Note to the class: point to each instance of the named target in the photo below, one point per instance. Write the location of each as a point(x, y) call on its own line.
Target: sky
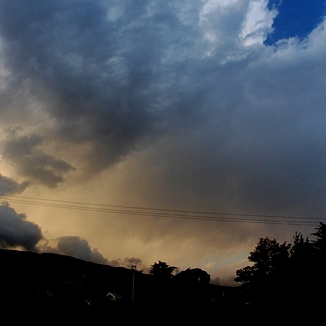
point(123, 122)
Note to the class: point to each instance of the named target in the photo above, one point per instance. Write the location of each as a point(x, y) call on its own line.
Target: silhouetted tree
point(267, 257)
point(193, 276)
point(320, 242)
point(191, 292)
point(301, 256)
point(301, 246)
point(162, 270)
point(287, 278)
point(317, 277)
point(263, 279)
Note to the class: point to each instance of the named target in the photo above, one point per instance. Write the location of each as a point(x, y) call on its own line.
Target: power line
point(164, 213)
point(68, 202)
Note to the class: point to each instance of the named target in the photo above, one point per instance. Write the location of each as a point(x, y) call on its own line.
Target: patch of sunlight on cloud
point(258, 23)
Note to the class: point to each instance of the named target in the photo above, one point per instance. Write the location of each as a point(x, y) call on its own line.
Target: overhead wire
point(164, 213)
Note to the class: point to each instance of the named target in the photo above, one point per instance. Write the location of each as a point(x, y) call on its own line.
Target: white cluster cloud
point(258, 23)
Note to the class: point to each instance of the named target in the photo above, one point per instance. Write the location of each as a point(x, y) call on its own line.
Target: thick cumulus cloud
point(16, 231)
point(79, 248)
point(215, 118)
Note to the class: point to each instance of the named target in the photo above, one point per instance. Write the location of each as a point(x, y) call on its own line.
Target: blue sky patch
point(296, 18)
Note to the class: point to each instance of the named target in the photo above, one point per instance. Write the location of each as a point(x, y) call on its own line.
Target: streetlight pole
point(133, 267)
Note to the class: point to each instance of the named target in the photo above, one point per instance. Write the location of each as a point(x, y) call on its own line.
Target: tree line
point(285, 281)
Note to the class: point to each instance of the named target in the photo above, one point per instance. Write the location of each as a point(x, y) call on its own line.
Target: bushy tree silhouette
point(287, 278)
point(267, 257)
point(162, 270)
point(192, 276)
point(320, 242)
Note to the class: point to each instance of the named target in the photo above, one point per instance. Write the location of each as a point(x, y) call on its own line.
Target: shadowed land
point(285, 282)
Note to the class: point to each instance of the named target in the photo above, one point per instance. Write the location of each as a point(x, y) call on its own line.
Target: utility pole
point(133, 267)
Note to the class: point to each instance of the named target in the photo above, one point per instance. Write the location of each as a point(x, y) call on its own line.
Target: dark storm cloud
point(232, 124)
point(10, 186)
point(111, 74)
point(79, 248)
point(102, 79)
point(16, 231)
point(24, 154)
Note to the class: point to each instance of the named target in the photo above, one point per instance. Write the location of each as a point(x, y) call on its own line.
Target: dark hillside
point(33, 282)
point(67, 288)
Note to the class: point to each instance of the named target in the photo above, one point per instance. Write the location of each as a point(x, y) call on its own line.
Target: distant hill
point(67, 287)
point(47, 274)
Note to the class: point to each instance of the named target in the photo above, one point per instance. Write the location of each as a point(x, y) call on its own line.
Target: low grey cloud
point(10, 186)
point(29, 160)
point(16, 230)
point(79, 248)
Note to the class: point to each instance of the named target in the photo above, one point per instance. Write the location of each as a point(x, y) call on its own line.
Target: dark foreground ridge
point(43, 287)
point(285, 284)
